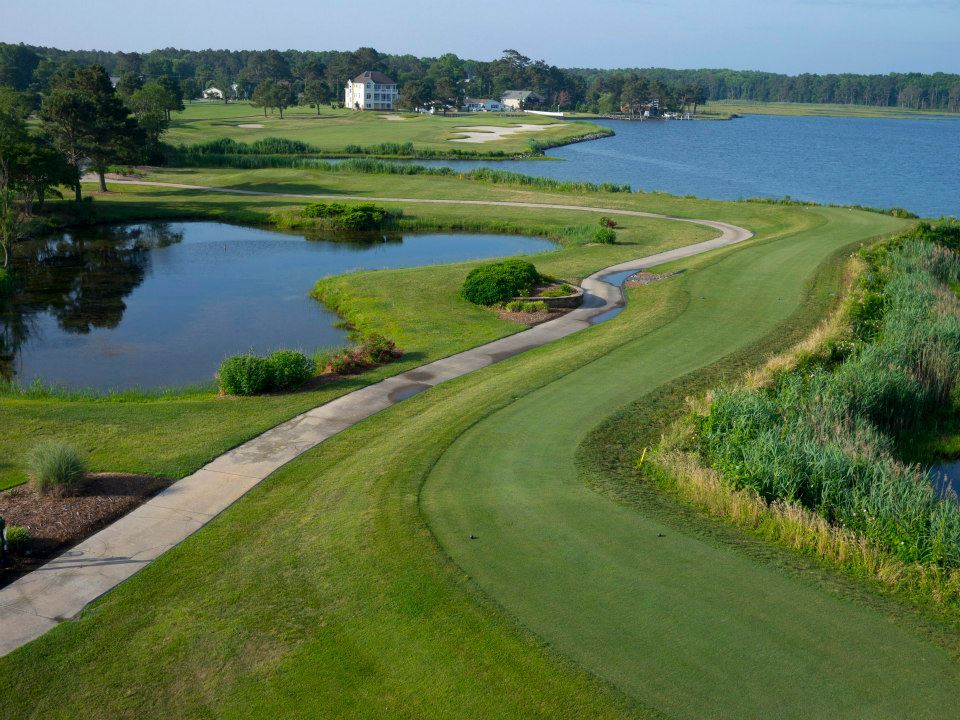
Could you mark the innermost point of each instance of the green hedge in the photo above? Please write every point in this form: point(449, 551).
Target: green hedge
point(254, 375)
point(498, 282)
point(360, 217)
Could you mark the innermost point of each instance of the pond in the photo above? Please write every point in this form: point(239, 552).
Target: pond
point(161, 304)
point(879, 162)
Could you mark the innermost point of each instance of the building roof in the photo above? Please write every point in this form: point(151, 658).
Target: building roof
point(518, 94)
point(373, 75)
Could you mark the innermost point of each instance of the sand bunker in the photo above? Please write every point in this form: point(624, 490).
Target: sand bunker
point(489, 133)
point(394, 117)
point(250, 125)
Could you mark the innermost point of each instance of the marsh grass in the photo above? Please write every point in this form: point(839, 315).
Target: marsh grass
point(820, 429)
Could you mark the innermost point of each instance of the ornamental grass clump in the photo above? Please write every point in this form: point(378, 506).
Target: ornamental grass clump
point(499, 282)
point(244, 375)
point(290, 369)
point(254, 375)
point(826, 436)
point(605, 236)
point(56, 468)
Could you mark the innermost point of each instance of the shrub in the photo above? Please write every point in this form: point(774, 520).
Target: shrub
point(289, 369)
point(360, 217)
point(17, 538)
point(607, 222)
point(6, 282)
point(496, 283)
point(605, 235)
point(56, 468)
point(526, 306)
point(346, 362)
point(378, 349)
point(561, 291)
point(244, 375)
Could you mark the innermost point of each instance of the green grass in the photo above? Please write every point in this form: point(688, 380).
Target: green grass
point(726, 108)
point(332, 130)
point(322, 592)
point(679, 621)
point(173, 435)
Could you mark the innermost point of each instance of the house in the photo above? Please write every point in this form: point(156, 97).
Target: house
point(520, 99)
point(481, 105)
point(215, 93)
point(370, 90)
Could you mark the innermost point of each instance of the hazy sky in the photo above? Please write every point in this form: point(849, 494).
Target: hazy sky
point(778, 35)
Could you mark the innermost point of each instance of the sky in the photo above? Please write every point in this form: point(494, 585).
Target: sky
point(789, 36)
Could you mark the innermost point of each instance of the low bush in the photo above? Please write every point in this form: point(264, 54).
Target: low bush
point(605, 235)
point(561, 291)
point(377, 349)
point(254, 375)
point(289, 369)
point(498, 282)
point(17, 539)
point(373, 349)
point(360, 217)
point(526, 306)
point(346, 362)
point(6, 282)
point(244, 375)
point(56, 468)
point(607, 222)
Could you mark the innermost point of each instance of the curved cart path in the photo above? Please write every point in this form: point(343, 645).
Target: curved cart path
point(60, 589)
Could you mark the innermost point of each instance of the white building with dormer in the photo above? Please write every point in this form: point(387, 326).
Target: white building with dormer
point(370, 90)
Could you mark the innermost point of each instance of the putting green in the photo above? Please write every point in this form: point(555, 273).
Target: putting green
point(679, 622)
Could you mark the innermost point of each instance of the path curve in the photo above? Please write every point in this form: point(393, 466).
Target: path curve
point(59, 590)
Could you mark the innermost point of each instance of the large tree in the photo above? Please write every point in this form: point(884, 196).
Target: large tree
point(315, 92)
point(414, 94)
point(32, 168)
point(88, 122)
point(151, 106)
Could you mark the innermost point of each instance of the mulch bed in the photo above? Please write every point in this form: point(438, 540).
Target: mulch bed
point(535, 318)
point(58, 523)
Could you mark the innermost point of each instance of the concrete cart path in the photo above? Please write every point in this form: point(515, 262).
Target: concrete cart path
point(60, 589)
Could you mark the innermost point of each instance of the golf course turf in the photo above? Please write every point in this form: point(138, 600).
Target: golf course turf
point(671, 620)
point(323, 592)
point(334, 131)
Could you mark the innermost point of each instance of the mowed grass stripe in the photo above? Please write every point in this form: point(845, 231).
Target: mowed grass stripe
point(687, 626)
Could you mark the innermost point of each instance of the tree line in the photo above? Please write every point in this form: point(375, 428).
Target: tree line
point(319, 76)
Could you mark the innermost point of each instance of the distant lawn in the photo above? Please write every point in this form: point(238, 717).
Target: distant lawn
point(332, 130)
point(725, 108)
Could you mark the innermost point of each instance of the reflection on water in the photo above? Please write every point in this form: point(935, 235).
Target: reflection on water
point(79, 280)
point(946, 478)
point(159, 304)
